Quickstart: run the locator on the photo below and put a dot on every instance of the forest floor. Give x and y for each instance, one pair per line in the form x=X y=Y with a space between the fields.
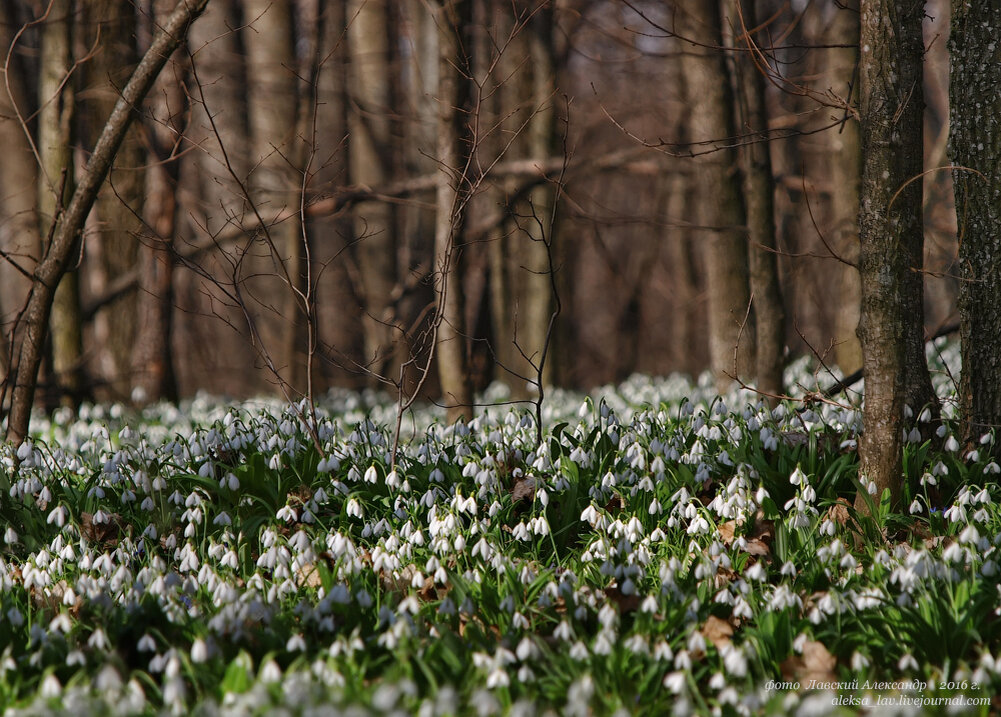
x=662 y=550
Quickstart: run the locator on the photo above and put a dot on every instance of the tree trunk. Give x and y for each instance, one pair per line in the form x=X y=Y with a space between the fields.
x=452 y=196
x=369 y=143
x=53 y=266
x=19 y=221
x=759 y=191
x=845 y=158
x=152 y=360
x=731 y=339
x=975 y=103
x=119 y=203
x=891 y=232
x=529 y=263
x=55 y=148
x=276 y=154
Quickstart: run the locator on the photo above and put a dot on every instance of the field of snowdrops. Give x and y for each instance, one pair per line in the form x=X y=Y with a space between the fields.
x=663 y=550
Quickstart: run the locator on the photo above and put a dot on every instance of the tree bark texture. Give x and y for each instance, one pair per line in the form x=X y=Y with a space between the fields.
x=119 y=203
x=845 y=157
x=759 y=194
x=891 y=232
x=60 y=250
x=166 y=107
x=19 y=221
x=528 y=246
x=369 y=145
x=731 y=339
x=975 y=138
x=452 y=198
x=276 y=155
x=55 y=148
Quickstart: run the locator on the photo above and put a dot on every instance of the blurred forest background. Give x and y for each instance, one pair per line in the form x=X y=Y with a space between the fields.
x=276 y=214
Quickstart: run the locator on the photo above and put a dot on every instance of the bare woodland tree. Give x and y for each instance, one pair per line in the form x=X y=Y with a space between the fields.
x=731 y=328
x=759 y=197
x=56 y=181
x=67 y=227
x=152 y=360
x=976 y=149
x=891 y=329
x=113 y=225
x=366 y=192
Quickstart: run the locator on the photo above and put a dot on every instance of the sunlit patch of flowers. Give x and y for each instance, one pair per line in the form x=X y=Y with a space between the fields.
x=662 y=548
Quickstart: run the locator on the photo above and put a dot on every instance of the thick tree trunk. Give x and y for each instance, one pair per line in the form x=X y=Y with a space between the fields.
x=975 y=100
x=57 y=258
x=731 y=339
x=276 y=153
x=891 y=232
x=759 y=192
x=119 y=203
x=452 y=197
x=369 y=144
x=55 y=148
x=152 y=359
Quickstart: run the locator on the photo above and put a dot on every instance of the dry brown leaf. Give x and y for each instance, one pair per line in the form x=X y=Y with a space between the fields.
x=524 y=489
x=308 y=576
x=816 y=663
x=723 y=577
x=94 y=532
x=616 y=504
x=758 y=547
x=820 y=663
x=626 y=603
x=726 y=531
x=838 y=512
x=717 y=631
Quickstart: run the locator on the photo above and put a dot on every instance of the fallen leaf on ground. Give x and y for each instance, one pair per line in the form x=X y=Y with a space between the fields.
x=717 y=631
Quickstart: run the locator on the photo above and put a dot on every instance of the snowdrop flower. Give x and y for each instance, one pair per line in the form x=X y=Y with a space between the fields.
x=579 y=651
x=98 y=640
x=952 y=445
x=637 y=644
x=355 y=509
x=683 y=661
x=734 y=661
x=199 y=651
x=675 y=681
x=50 y=688
x=907 y=662
x=57 y=516
x=603 y=643
x=14 y=617
x=270 y=672
x=696 y=643
x=662 y=652
x=563 y=631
